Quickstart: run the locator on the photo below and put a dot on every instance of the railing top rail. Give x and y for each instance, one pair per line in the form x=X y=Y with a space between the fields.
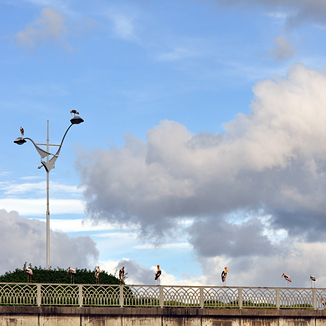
x=165 y=286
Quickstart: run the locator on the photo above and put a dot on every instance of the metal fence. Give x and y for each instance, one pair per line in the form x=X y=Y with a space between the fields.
x=111 y=295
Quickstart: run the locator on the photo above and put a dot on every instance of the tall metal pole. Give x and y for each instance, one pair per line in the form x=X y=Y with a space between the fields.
x=49 y=165
x=47 y=203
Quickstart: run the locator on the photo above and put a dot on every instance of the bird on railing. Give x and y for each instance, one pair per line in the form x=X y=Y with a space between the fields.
x=322 y=301
x=224 y=274
x=74 y=112
x=29 y=273
x=157 y=275
x=72 y=272
x=287 y=278
x=97 y=274
x=313 y=279
x=22 y=131
x=121 y=274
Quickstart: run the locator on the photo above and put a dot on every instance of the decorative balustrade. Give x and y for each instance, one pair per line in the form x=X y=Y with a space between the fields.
x=111 y=295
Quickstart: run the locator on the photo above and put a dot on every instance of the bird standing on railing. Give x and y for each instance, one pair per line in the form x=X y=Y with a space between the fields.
x=121 y=274
x=157 y=275
x=287 y=279
x=97 y=274
x=29 y=273
x=313 y=279
x=72 y=272
x=322 y=301
x=224 y=275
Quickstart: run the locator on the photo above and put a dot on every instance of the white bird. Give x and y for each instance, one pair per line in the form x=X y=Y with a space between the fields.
x=224 y=274
x=322 y=301
x=72 y=272
x=157 y=275
x=287 y=278
x=97 y=274
x=121 y=274
x=313 y=279
x=29 y=273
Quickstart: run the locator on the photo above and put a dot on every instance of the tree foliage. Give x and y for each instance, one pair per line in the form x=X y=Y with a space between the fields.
x=57 y=275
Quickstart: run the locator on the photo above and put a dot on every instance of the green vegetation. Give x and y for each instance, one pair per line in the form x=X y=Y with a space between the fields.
x=58 y=275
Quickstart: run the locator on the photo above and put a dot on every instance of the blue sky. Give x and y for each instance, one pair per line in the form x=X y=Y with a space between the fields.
x=202 y=144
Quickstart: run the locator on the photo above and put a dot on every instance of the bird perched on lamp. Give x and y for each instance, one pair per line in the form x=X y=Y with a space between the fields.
x=74 y=112
x=224 y=274
x=157 y=275
x=287 y=278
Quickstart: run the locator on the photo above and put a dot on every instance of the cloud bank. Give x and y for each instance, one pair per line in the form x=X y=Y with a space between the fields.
x=23 y=240
x=255 y=191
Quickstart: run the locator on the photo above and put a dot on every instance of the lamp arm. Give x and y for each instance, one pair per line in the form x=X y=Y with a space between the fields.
x=63 y=138
x=41 y=151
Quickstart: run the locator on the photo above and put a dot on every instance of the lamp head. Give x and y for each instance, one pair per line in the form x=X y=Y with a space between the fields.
x=76 y=120
x=20 y=141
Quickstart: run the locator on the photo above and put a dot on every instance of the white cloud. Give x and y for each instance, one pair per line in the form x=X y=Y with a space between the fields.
x=178 y=53
x=49 y=27
x=123 y=23
x=85 y=225
x=283 y=48
x=269 y=165
x=40 y=187
x=24 y=241
x=37 y=207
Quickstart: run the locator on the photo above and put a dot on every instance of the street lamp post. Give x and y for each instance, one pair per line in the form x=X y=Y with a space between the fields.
x=48 y=165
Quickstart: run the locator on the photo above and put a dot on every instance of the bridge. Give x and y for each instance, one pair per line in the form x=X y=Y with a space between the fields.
x=165 y=305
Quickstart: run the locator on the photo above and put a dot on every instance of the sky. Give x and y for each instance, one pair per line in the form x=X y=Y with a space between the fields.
x=202 y=146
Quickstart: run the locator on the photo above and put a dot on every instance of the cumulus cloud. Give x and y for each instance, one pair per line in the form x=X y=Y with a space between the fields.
x=23 y=240
x=255 y=192
x=271 y=158
x=49 y=27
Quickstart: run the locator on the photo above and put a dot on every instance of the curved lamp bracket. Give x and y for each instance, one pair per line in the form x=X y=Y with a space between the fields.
x=50 y=164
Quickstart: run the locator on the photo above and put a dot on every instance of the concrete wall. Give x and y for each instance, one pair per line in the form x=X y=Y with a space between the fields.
x=66 y=316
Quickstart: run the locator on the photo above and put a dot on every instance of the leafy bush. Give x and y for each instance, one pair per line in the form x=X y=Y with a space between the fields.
x=58 y=275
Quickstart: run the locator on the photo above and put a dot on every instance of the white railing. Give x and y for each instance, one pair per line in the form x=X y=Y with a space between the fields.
x=111 y=295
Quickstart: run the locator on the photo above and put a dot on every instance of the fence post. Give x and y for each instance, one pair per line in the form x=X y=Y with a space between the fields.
x=240 y=297
x=80 y=296
x=121 y=295
x=277 y=298
x=161 y=297
x=38 y=291
x=201 y=297
x=314 y=295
